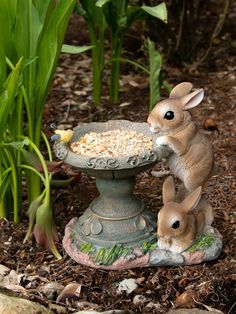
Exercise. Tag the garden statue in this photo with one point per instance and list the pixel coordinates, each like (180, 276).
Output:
(192, 158)
(117, 231)
(179, 224)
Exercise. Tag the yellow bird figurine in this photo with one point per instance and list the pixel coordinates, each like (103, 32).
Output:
(62, 135)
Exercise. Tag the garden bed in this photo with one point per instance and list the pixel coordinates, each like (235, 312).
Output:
(69, 103)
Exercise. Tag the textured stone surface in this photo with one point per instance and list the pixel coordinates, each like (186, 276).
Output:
(161, 257)
(14, 305)
(191, 311)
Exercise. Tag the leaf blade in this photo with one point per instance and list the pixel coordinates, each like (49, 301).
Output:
(159, 11)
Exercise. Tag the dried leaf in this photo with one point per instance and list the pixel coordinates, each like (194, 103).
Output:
(186, 299)
(71, 291)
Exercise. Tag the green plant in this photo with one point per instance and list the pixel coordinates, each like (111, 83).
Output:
(153, 69)
(117, 16)
(32, 39)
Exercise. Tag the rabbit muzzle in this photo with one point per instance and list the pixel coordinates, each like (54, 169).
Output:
(153, 128)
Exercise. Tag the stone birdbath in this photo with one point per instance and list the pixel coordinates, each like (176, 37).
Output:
(117, 231)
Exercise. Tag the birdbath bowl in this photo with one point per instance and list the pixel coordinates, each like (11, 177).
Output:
(116, 231)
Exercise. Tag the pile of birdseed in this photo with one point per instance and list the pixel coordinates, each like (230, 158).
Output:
(115, 143)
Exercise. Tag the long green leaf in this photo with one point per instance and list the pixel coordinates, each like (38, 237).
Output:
(50, 48)
(100, 3)
(159, 11)
(7, 97)
(75, 49)
(7, 19)
(4, 189)
(7, 11)
(155, 63)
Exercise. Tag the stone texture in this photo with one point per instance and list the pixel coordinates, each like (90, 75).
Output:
(214, 251)
(161, 257)
(191, 311)
(14, 305)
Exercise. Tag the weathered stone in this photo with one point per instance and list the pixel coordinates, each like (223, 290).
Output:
(214, 250)
(165, 258)
(106, 312)
(191, 311)
(14, 305)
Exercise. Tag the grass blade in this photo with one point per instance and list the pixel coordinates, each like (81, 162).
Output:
(7, 97)
(155, 63)
(75, 49)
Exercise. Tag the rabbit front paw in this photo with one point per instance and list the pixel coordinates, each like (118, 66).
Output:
(164, 244)
(162, 140)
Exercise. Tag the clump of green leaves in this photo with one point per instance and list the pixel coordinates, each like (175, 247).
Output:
(205, 241)
(116, 16)
(154, 71)
(31, 42)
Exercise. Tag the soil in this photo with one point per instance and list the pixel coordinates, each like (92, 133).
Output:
(69, 102)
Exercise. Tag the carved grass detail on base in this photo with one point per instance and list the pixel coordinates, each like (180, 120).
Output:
(148, 247)
(203, 242)
(105, 256)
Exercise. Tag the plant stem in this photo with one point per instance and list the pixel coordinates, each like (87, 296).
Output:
(117, 36)
(97, 63)
(115, 68)
(15, 187)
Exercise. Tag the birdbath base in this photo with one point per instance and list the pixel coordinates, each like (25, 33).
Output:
(207, 248)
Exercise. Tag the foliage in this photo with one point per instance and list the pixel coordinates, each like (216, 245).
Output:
(117, 16)
(32, 39)
(153, 69)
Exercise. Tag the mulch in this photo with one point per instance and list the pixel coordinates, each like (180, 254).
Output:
(69, 102)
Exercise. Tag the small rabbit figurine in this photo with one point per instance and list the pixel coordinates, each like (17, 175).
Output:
(192, 157)
(179, 224)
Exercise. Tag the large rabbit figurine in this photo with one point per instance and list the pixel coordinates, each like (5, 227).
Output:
(192, 157)
(179, 224)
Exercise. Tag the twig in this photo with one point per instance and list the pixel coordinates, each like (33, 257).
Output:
(215, 33)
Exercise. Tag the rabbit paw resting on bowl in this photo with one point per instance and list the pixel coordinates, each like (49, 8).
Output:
(192, 157)
(162, 140)
(180, 223)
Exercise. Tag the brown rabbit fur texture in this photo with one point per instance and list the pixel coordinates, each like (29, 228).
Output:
(192, 157)
(179, 224)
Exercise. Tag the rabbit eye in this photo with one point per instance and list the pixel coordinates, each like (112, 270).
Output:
(176, 224)
(169, 115)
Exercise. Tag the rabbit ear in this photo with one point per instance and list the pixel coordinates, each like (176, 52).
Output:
(168, 190)
(192, 200)
(181, 90)
(193, 99)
